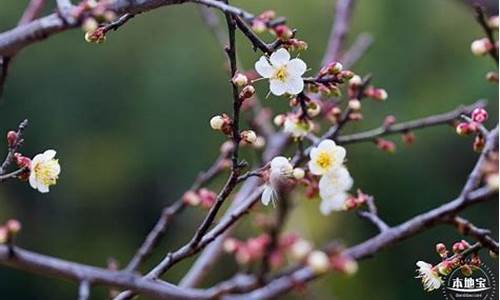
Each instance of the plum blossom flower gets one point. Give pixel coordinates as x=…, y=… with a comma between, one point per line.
x=333, y=189
x=326, y=157
x=430, y=277
x=280, y=170
x=335, y=202
x=339, y=180
x=44, y=171
x=296, y=127
x=284, y=74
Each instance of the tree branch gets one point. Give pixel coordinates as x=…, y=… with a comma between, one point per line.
x=434, y=120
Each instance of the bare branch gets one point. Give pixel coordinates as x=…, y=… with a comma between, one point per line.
x=434, y=120
x=343, y=13
x=357, y=50
x=483, y=236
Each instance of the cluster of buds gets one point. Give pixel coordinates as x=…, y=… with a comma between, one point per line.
x=313, y=107
x=222, y=123
x=320, y=263
x=248, y=251
x=294, y=124
x=9, y=230
x=93, y=14
x=472, y=126
x=450, y=263
x=431, y=275
x=204, y=197
x=260, y=23
x=386, y=145
x=354, y=202
x=329, y=78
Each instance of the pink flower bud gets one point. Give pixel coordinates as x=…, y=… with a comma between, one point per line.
x=22, y=161
x=492, y=77
x=481, y=47
x=441, y=250
x=11, y=138
x=459, y=247
x=479, y=143
x=248, y=136
x=247, y=92
x=13, y=226
x=240, y=79
x=408, y=138
x=463, y=129
x=258, y=26
x=318, y=261
x=216, y=122
x=344, y=264
x=231, y=245
x=207, y=197
x=283, y=32
x=191, y=198
x=389, y=121
x=479, y=115
x=354, y=104
x=376, y=93
x=386, y=145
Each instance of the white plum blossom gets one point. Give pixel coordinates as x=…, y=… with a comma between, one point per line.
x=335, y=182
x=296, y=127
x=430, y=277
x=280, y=170
x=333, y=189
x=335, y=202
x=284, y=74
x=44, y=171
x=326, y=157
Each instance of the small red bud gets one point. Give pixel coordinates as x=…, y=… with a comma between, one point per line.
x=463, y=129
x=479, y=143
x=479, y=115
x=389, y=121
x=12, y=138
x=408, y=138
x=386, y=145
x=247, y=92
x=13, y=226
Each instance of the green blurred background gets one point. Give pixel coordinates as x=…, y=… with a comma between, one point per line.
x=129, y=120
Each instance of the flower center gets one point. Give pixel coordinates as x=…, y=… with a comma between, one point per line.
x=46, y=172
x=324, y=160
x=281, y=74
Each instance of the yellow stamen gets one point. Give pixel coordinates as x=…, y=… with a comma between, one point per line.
x=281, y=74
x=324, y=160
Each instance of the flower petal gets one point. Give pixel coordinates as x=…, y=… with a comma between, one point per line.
x=42, y=188
x=267, y=195
x=263, y=67
x=295, y=85
x=33, y=181
x=327, y=145
x=49, y=154
x=277, y=87
x=297, y=66
x=339, y=154
x=315, y=168
x=279, y=58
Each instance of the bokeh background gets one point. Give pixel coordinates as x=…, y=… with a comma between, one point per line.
x=129, y=119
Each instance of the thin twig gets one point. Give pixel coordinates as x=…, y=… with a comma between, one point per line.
x=483, y=236
x=439, y=119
